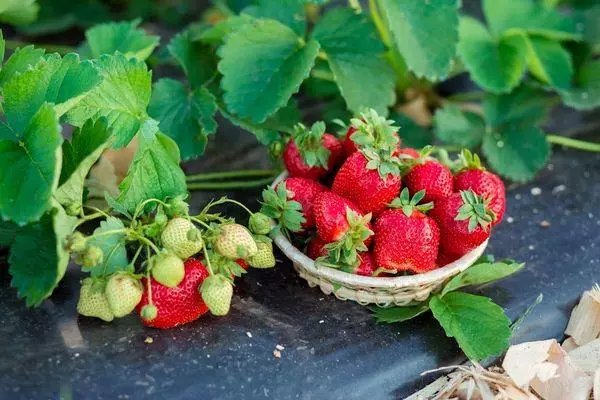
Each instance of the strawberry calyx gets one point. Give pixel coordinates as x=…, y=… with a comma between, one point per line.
x=225, y=266
x=383, y=160
x=374, y=130
x=468, y=160
x=287, y=212
x=308, y=142
x=408, y=205
x=344, y=252
x=476, y=210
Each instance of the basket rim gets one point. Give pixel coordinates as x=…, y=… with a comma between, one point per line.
x=439, y=274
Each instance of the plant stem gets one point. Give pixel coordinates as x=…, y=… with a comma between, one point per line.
x=381, y=28
x=208, y=266
x=323, y=75
x=229, y=185
x=573, y=143
x=231, y=174
x=204, y=224
x=148, y=242
x=87, y=218
x=51, y=48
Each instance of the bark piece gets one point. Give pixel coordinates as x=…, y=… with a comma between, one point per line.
x=587, y=357
x=584, y=324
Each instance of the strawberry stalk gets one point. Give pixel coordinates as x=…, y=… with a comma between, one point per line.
x=248, y=173
x=229, y=185
x=573, y=143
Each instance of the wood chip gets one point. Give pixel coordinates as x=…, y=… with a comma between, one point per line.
x=587, y=357
x=277, y=353
x=584, y=324
x=279, y=347
x=547, y=369
x=569, y=344
x=418, y=110
x=597, y=385
x=545, y=224
x=148, y=340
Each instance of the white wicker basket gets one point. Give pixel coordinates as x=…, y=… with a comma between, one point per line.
x=383, y=291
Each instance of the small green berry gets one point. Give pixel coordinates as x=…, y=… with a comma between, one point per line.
x=260, y=224
x=149, y=312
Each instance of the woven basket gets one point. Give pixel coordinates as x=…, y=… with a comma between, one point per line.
x=382, y=291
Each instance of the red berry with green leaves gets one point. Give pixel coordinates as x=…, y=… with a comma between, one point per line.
x=177, y=305
x=431, y=176
x=484, y=183
x=405, y=238
x=368, y=188
x=465, y=221
x=371, y=129
x=316, y=248
x=367, y=265
x=312, y=153
x=408, y=152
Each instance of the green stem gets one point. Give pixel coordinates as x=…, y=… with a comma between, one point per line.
x=323, y=75
x=87, y=218
x=51, y=48
x=229, y=185
x=573, y=143
x=231, y=174
x=379, y=24
x=141, y=206
x=237, y=203
x=208, y=265
x=204, y=224
x=148, y=242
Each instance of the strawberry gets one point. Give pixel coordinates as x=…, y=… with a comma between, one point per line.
x=123, y=293
x=167, y=269
x=372, y=130
x=260, y=224
x=242, y=263
x=264, y=257
x=178, y=305
x=291, y=203
x=465, y=222
x=367, y=265
x=312, y=153
x=182, y=238
x=370, y=188
x=217, y=292
x=484, y=183
x=407, y=152
x=345, y=230
x=92, y=300
x=235, y=241
x=431, y=176
x=316, y=248
x=405, y=238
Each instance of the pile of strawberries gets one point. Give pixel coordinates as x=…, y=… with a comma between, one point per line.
x=368, y=206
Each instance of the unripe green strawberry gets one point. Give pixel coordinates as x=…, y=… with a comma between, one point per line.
x=182, y=238
x=93, y=301
x=123, y=293
x=149, y=312
x=167, y=269
x=92, y=256
x=76, y=242
x=234, y=241
x=264, y=257
x=178, y=207
x=217, y=292
x=260, y=224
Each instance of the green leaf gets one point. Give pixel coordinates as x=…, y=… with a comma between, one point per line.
x=549, y=62
x=123, y=37
x=267, y=132
x=524, y=107
x=87, y=146
x=591, y=28
x=288, y=12
x=425, y=33
x=496, y=65
x=199, y=61
x=62, y=81
x=18, y=12
x=122, y=97
x=454, y=126
x=37, y=259
x=585, y=93
x=30, y=167
x=412, y=135
x=8, y=232
x=2, y=48
x=113, y=247
x=263, y=64
x=479, y=326
x=509, y=16
x=19, y=62
x=216, y=34
x=391, y=315
x=517, y=153
x=187, y=117
x=482, y=273
x=154, y=173
x=354, y=53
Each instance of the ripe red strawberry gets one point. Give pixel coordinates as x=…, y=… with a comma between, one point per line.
x=367, y=265
x=180, y=304
x=408, y=152
x=433, y=177
x=484, y=183
x=372, y=130
x=312, y=153
x=291, y=203
x=465, y=222
x=331, y=215
x=366, y=187
x=316, y=248
x=405, y=238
